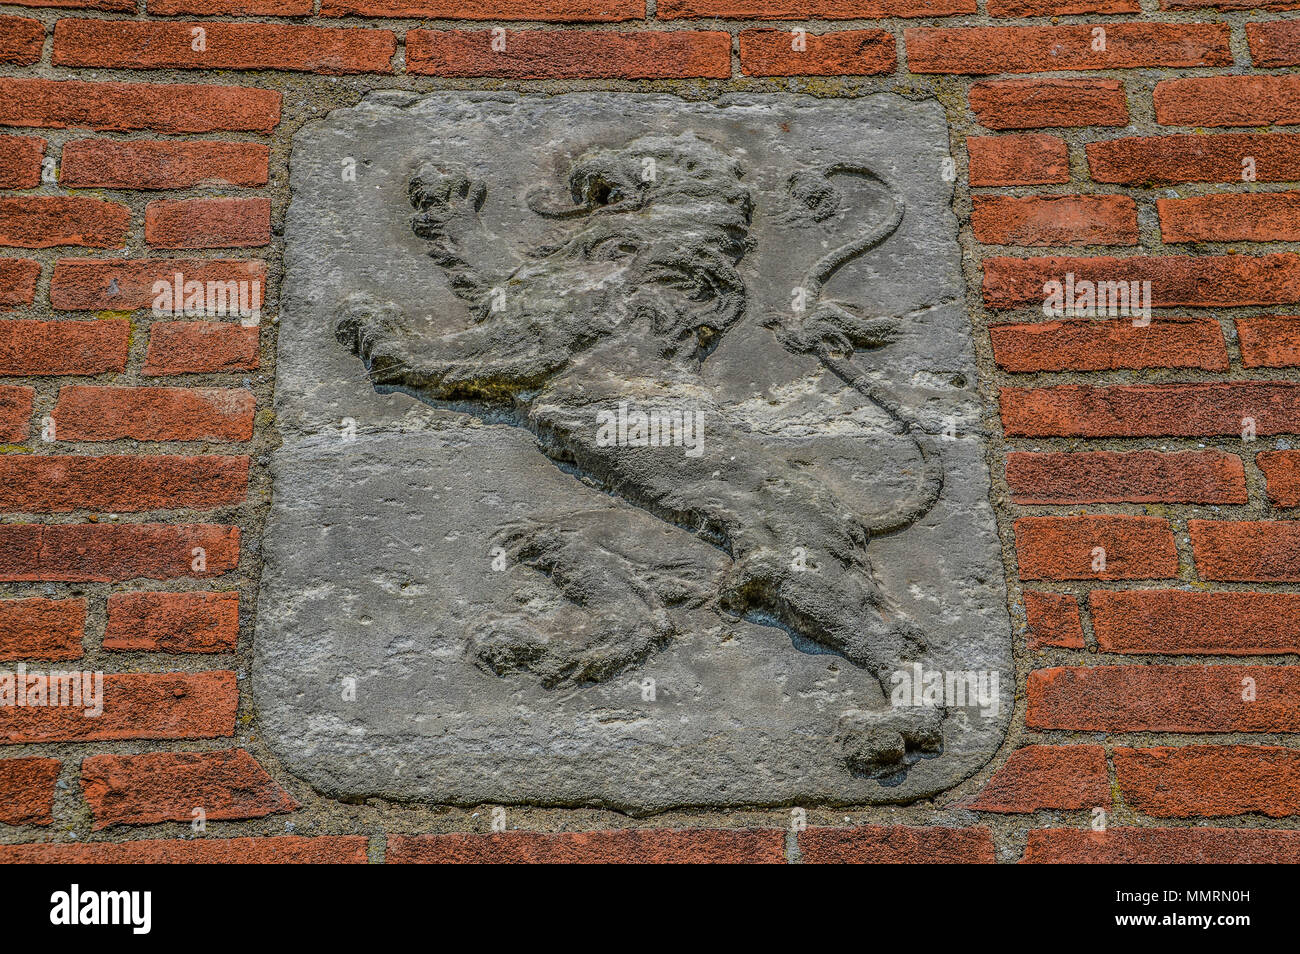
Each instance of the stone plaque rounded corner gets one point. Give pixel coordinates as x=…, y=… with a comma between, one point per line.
x=631, y=457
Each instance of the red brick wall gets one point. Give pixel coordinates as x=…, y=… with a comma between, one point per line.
x=1157, y=695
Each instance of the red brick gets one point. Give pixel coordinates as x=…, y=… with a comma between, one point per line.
x=44, y=221
x=1213, y=281
x=1205, y=477
x=168, y=786
x=92, y=284
x=1065, y=777
x=884, y=845
x=18, y=281
x=1228, y=101
x=114, y=553
x=844, y=53
x=1203, y=624
x=1018, y=160
x=1275, y=43
x=1155, y=698
x=810, y=9
x=1269, y=342
x=1043, y=49
x=1195, y=158
x=1029, y=104
x=177, y=705
x=1132, y=846
x=1256, y=217
x=1282, y=474
x=555, y=11
x=1196, y=781
x=187, y=347
x=60, y=483
x=625, y=846
x=234, y=8
x=86, y=413
x=20, y=161
x=1230, y=4
x=15, y=412
x=42, y=629
x=571, y=54
x=207, y=223
x=1246, y=551
x=1151, y=410
x=1052, y=620
x=63, y=347
x=27, y=791
x=21, y=40
x=187, y=108
x=1087, y=344
x=1061, y=548
x=232, y=46
x=172, y=622
x=1051, y=8
x=127, y=6
x=154, y=164
x=285, y=849
x=1055, y=220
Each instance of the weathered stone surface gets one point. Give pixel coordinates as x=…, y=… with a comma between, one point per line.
x=529, y=614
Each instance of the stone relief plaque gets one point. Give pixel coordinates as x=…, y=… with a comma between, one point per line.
x=631, y=457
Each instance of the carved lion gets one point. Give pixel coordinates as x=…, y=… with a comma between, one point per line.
x=626, y=308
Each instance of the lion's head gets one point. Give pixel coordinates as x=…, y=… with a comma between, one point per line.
x=657, y=228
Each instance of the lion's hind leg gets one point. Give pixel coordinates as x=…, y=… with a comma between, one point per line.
x=580, y=608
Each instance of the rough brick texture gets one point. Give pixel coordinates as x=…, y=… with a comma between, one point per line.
x=1095, y=548
x=1086, y=344
x=647, y=846
x=178, y=108
x=551, y=54
x=188, y=347
x=881, y=845
x=63, y=347
x=207, y=223
x=1030, y=104
x=1165, y=699
x=1061, y=220
x=169, y=786
x=42, y=629
x=1047, y=776
x=87, y=413
x=155, y=164
x=844, y=53
x=1178, y=621
x=66, y=482
x=285, y=849
x=1208, y=477
x=1052, y=619
x=112, y=553
x=218, y=45
x=172, y=622
x=1128, y=846
x=1210, y=780
x=137, y=706
x=27, y=790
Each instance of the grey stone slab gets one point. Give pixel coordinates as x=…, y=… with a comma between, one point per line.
x=533, y=606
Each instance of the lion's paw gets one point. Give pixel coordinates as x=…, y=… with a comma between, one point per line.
x=880, y=744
